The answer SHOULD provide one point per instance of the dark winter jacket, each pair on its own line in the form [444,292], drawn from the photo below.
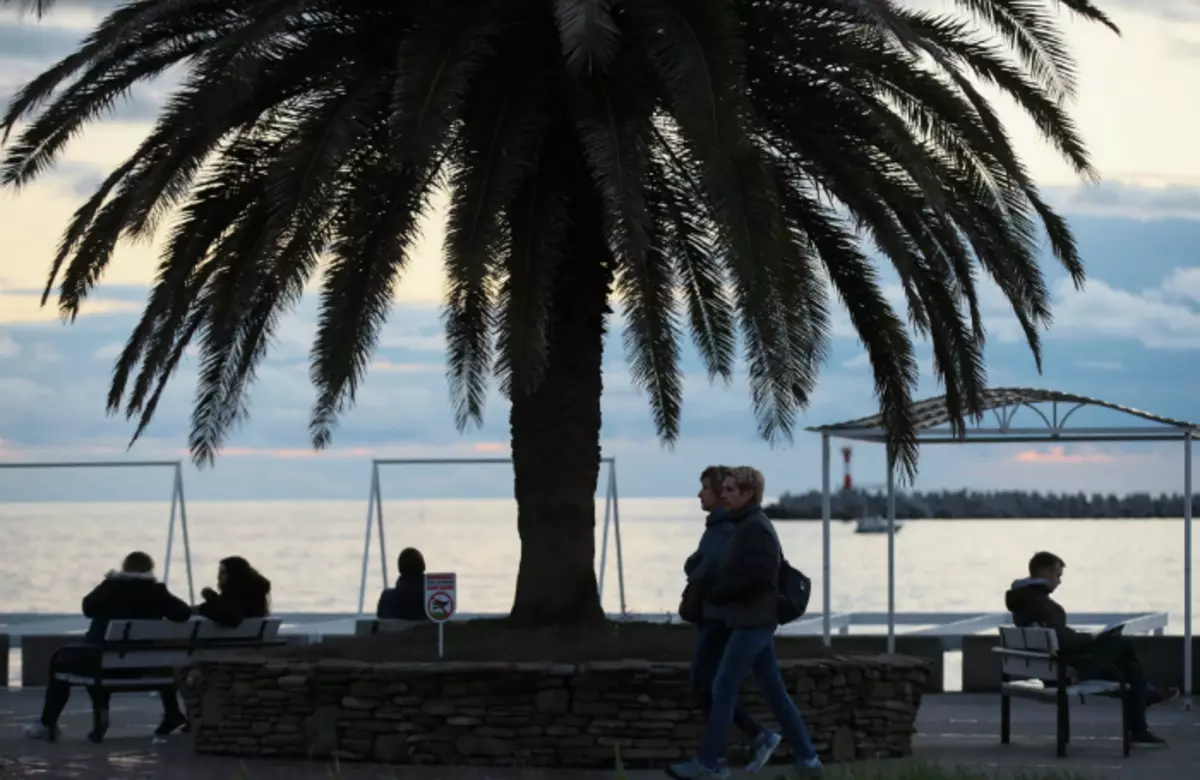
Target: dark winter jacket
[125,596]
[230,610]
[406,601]
[1030,604]
[747,579]
[702,564]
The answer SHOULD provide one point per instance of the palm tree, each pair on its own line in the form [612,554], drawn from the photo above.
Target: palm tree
[718,166]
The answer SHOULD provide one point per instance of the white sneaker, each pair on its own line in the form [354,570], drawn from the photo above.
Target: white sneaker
[762,749]
[40,732]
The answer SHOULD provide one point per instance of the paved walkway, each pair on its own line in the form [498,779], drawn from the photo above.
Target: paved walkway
[955,729]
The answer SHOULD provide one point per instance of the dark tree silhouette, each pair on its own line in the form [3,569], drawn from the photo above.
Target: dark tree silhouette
[717,166]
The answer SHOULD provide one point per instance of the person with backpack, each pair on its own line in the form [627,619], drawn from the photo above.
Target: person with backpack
[711,633]
[747,586]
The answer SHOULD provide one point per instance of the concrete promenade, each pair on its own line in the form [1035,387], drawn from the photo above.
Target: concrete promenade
[954,729]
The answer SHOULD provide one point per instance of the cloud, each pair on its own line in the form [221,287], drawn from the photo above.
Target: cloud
[46,353]
[25,306]
[383,366]
[1163,316]
[1175,10]
[8,347]
[109,351]
[1150,198]
[1099,365]
[1059,455]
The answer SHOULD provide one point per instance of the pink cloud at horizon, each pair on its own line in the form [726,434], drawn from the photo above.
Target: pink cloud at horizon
[1058,455]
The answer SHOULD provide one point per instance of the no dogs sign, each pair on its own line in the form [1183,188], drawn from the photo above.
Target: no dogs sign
[441,596]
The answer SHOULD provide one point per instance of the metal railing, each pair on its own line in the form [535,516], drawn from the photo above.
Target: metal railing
[949,626]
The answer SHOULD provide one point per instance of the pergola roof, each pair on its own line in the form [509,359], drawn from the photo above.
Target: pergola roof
[933,418]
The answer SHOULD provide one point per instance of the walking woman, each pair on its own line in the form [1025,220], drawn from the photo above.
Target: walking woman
[746,588]
[711,633]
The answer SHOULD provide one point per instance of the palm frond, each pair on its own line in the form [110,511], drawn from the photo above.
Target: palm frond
[373,229]
[589,33]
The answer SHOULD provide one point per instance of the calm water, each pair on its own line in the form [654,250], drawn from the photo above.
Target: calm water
[312,552]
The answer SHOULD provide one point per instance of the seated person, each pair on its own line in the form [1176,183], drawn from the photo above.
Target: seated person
[406,601]
[241,593]
[130,594]
[1030,603]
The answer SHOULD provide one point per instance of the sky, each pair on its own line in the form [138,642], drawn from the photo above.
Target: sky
[1131,336]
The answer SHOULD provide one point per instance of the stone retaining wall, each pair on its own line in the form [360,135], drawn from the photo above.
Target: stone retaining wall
[526,713]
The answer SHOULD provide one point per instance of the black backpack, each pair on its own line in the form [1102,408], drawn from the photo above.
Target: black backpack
[794,592]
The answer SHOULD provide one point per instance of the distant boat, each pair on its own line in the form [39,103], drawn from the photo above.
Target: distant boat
[874,524]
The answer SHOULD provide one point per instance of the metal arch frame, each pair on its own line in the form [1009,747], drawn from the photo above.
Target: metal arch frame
[1008,402]
[612,512]
[178,502]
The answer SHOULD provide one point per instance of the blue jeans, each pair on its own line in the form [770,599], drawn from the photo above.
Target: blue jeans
[711,638]
[751,650]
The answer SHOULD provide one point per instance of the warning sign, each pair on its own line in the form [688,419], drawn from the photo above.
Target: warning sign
[441,596]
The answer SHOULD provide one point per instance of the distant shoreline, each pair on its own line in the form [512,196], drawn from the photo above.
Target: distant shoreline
[980,505]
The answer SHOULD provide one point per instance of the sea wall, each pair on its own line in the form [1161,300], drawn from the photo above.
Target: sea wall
[526,713]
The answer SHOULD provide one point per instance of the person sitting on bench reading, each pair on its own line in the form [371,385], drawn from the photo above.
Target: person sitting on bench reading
[130,594]
[406,601]
[1098,656]
[241,593]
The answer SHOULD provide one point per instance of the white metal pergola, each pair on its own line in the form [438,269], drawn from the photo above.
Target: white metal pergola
[612,512]
[1055,410]
[178,503]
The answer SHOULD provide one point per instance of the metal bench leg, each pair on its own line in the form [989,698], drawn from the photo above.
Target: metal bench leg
[1125,693]
[1064,721]
[1005,719]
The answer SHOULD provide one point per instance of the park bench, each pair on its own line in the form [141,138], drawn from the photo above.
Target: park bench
[371,626]
[1033,668]
[143,655]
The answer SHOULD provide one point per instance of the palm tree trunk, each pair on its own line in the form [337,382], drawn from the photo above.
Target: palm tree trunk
[556,437]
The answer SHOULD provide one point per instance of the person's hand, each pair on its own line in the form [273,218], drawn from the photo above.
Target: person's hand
[208,594]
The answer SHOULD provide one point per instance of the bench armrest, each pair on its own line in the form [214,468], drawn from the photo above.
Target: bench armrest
[1026,654]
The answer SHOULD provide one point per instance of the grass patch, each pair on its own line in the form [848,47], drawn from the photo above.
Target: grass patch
[917,770]
[501,640]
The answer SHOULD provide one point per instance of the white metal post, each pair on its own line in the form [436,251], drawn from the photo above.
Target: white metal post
[891,517]
[166,569]
[1187,568]
[617,533]
[362,587]
[604,534]
[383,559]
[826,511]
[183,526]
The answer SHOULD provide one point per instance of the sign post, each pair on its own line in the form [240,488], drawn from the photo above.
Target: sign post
[441,602]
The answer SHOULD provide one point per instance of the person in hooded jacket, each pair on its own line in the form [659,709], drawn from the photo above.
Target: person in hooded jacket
[711,633]
[130,594]
[406,601]
[241,593]
[1030,603]
[745,585]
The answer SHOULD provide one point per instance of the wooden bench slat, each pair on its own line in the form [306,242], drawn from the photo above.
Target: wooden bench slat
[154,645]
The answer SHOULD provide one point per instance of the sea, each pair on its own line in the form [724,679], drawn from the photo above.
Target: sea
[53,553]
